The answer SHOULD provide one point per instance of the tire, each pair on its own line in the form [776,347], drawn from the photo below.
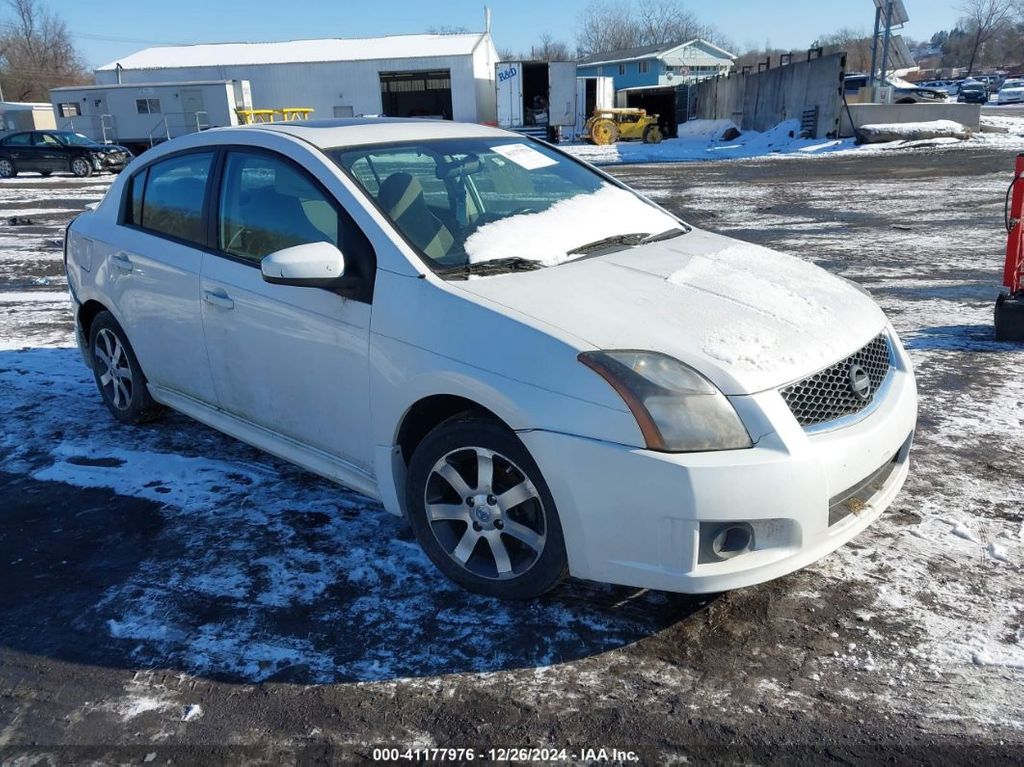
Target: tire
[7,169]
[604,132]
[118,375]
[652,135]
[509,550]
[81,167]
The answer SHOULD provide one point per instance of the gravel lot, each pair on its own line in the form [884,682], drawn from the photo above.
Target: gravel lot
[167,593]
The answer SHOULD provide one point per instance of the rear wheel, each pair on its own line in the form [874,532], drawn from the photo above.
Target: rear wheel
[652,134]
[482,511]
[118,375]
[604,132]
[7,169]
[81,167]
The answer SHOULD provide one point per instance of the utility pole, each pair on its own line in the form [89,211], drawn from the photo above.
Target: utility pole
[874,46]
[885,44]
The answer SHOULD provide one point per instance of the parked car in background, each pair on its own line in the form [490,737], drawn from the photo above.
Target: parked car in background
[542,371]
[902,94]
[949,87]
[973,93]
[1012,92]
[49,151]
[912,94]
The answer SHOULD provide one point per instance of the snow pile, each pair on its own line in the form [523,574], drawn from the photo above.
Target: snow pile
[919,131]
[703,140]
[709,130]
[608,212]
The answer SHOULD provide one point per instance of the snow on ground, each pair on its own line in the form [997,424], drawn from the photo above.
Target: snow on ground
[700,140]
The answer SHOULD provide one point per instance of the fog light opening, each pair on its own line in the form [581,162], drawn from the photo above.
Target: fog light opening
[732,541]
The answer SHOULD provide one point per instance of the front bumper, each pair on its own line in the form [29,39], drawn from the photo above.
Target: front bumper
[640,518]
[112,162]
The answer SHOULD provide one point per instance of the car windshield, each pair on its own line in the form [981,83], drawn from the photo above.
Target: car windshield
[1013,84]
[506,203]
[74,139]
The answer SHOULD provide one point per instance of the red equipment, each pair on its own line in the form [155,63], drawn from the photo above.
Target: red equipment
[1010,305]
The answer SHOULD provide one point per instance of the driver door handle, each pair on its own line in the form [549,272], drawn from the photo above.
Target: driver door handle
[218,298]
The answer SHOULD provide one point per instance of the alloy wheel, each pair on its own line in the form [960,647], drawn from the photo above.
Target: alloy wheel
[485,513]
[6,169]
[115,373]
[80,167]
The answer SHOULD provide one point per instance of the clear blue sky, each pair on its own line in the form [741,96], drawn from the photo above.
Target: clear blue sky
[105,32]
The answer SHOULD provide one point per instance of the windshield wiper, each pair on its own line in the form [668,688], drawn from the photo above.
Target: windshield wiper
[494,266]
[625,240]
[668,234]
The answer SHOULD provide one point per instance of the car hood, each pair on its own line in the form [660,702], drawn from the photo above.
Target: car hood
[747,317]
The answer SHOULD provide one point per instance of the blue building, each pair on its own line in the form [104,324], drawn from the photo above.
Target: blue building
[658,66]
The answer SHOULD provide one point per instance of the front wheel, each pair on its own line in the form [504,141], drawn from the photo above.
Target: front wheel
[118,375]
[7,169]
[482,512]
[81,167]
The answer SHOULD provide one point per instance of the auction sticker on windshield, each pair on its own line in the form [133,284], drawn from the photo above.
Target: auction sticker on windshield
[524,156]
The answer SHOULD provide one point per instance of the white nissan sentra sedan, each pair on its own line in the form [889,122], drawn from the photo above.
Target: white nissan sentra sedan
[543,371]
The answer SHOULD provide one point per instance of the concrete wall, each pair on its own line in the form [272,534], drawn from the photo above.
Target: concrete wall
[763,100]
[968,115]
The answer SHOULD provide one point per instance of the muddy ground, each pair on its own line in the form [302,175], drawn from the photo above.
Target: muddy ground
[167,594]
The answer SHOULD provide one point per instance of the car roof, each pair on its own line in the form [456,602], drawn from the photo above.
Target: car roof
[356,131]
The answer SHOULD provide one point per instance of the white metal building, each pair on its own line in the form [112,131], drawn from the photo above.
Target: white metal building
[449,76]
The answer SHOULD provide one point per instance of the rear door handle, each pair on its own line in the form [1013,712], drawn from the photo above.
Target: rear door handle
[122,262]
[218,298]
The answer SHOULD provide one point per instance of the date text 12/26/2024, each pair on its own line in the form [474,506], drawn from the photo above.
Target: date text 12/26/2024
[506,754]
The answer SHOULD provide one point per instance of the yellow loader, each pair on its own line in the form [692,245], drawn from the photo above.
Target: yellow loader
[607,126]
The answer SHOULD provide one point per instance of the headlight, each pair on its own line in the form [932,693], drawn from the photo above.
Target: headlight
[677,409]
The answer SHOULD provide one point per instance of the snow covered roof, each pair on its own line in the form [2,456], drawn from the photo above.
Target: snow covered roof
[694,52]
[299,51]
[24,105]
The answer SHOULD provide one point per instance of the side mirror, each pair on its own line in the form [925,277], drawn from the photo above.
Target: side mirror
[314,265]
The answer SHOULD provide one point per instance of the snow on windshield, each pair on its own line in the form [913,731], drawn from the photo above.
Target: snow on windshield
[547,236]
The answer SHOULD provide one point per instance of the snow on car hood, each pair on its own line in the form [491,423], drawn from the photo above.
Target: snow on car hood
[747,317]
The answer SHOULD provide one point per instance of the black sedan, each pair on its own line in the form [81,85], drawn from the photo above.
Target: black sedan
[47,151]
[973,93]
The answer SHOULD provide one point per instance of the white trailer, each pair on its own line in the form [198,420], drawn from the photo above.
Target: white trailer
[536,97]
[141,115]
[591,93]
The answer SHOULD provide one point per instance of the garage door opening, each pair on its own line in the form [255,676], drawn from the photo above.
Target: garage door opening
[417,94]
[662,102]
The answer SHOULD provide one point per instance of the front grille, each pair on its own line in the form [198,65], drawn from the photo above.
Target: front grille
[829,394]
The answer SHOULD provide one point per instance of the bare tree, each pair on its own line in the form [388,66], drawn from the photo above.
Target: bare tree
[549,49]
[665,21]
[855,43]
[983,20]
[607,26]
[36,53]
[447,29]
